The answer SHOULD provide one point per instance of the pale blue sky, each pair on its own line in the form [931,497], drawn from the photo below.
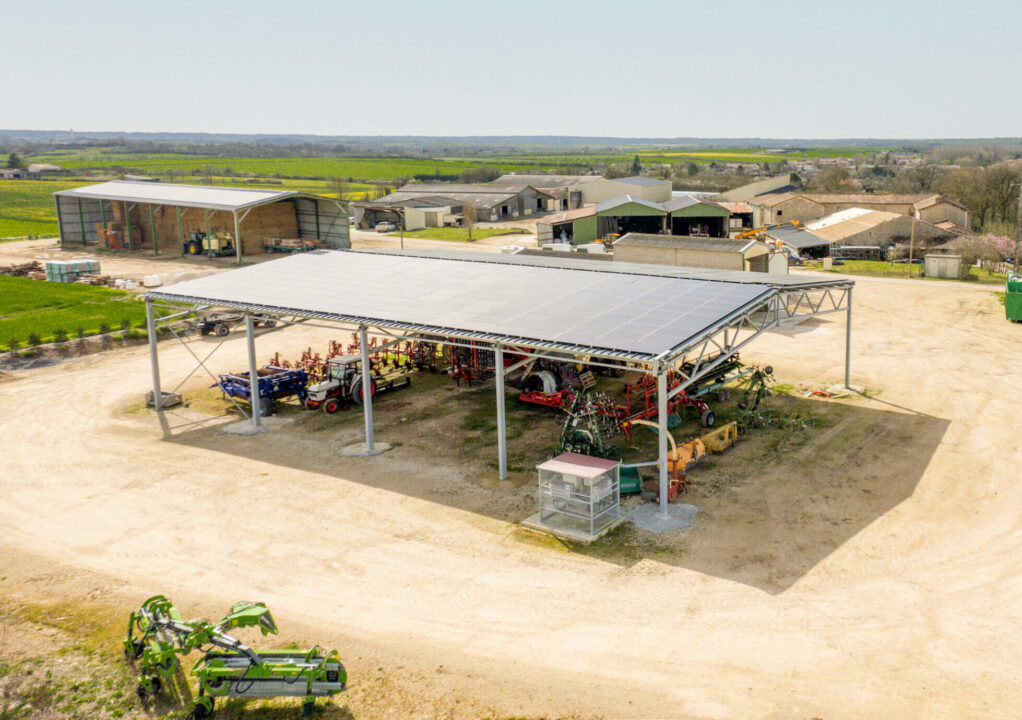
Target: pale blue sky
[517,67]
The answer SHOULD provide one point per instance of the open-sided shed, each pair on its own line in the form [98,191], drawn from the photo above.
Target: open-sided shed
[627,214]
[157,215]
[687,215]
[659,320]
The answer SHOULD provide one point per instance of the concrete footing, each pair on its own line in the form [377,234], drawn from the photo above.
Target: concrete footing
[360,450]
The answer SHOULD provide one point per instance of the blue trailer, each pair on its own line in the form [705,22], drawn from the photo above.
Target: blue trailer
[275,383]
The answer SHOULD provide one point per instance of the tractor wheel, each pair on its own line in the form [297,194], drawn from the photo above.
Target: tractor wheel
[201,709]
[768,370]
[331,406]
[270,323]
[157,685]
[707,419]
[221,330]
[308,708]
[265,407]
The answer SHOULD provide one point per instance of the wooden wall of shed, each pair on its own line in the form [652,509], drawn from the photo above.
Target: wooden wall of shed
[276,220]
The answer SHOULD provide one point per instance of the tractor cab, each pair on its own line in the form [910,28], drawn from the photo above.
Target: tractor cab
[343,384]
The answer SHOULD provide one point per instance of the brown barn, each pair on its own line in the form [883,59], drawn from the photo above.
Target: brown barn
[160,215]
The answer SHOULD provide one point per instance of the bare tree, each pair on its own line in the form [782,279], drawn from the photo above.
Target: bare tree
[469,215]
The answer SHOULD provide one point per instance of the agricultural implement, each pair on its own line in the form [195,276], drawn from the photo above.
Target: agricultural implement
[219,324]
[274,383]
[158,637]
[212,245]
[682,457]
[343,384]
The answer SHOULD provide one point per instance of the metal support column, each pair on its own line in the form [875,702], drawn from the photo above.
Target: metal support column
[81,219]
[154,360]
[152,230]
[501,420]
[367,388]
[848,342]
[127,224]
[180,232]
[253,371]
[237,237]
[661,399]
[60,222]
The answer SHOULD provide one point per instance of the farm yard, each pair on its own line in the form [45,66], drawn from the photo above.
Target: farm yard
[835,546]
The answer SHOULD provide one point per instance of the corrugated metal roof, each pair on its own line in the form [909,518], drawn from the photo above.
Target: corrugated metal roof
[685,242]
[607,314]
[204,196]
[483,200]
[546,181]
[835,218]
[868,198]
[852,226]
[569,215]
[624,200]
[735,208]
[640,181]
[796,237]
[800,281]
[680,203]
[771,200]
[473,188]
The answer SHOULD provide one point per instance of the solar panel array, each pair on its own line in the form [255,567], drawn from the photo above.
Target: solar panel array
[587,310]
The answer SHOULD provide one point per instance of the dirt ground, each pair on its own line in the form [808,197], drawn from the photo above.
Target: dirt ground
[866,566]
[177,268]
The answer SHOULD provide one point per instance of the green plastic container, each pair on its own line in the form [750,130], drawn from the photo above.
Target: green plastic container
[1013,305]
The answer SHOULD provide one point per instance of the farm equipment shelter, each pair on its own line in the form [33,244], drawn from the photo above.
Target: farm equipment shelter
[654,318]
[157,215]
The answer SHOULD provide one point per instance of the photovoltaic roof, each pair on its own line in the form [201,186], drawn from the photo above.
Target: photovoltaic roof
[610,313]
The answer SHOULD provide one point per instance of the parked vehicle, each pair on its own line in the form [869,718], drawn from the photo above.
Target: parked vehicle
[343,385]
[220,324]
[385,226]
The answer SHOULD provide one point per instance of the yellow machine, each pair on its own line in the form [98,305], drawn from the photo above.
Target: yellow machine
[756,231]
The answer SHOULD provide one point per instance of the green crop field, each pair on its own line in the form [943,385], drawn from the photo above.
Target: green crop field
[456,234]
[27,207]
[35,306]
[354,168]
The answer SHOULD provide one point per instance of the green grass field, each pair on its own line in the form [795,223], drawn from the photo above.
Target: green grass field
[35,306]
[873,268]
[354,168]
[455,234]
[27,207]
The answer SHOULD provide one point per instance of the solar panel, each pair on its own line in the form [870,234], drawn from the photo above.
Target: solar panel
[589,310]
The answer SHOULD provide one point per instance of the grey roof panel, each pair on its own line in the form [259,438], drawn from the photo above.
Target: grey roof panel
[537,305]
[204,196]
[577,261]
[797,238]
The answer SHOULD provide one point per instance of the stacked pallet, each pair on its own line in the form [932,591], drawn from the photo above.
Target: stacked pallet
[69,270]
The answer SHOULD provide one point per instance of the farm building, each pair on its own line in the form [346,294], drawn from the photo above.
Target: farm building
[157,216]
[785,207]
[627,214]
[591,189]
[11,173]
[492,203]
[747,193]
[690,216]
[692,252]
[564,192]
[741,214]
[575,226]
[43,169]
[930,208]
[876,228]
[799,239]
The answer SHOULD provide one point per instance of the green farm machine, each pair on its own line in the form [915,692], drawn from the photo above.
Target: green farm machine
[158,637]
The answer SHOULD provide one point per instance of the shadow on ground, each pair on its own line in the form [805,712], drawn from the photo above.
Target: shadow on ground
[769,510]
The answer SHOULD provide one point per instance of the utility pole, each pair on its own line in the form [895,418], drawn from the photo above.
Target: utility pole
[911,245]
[1018,226]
